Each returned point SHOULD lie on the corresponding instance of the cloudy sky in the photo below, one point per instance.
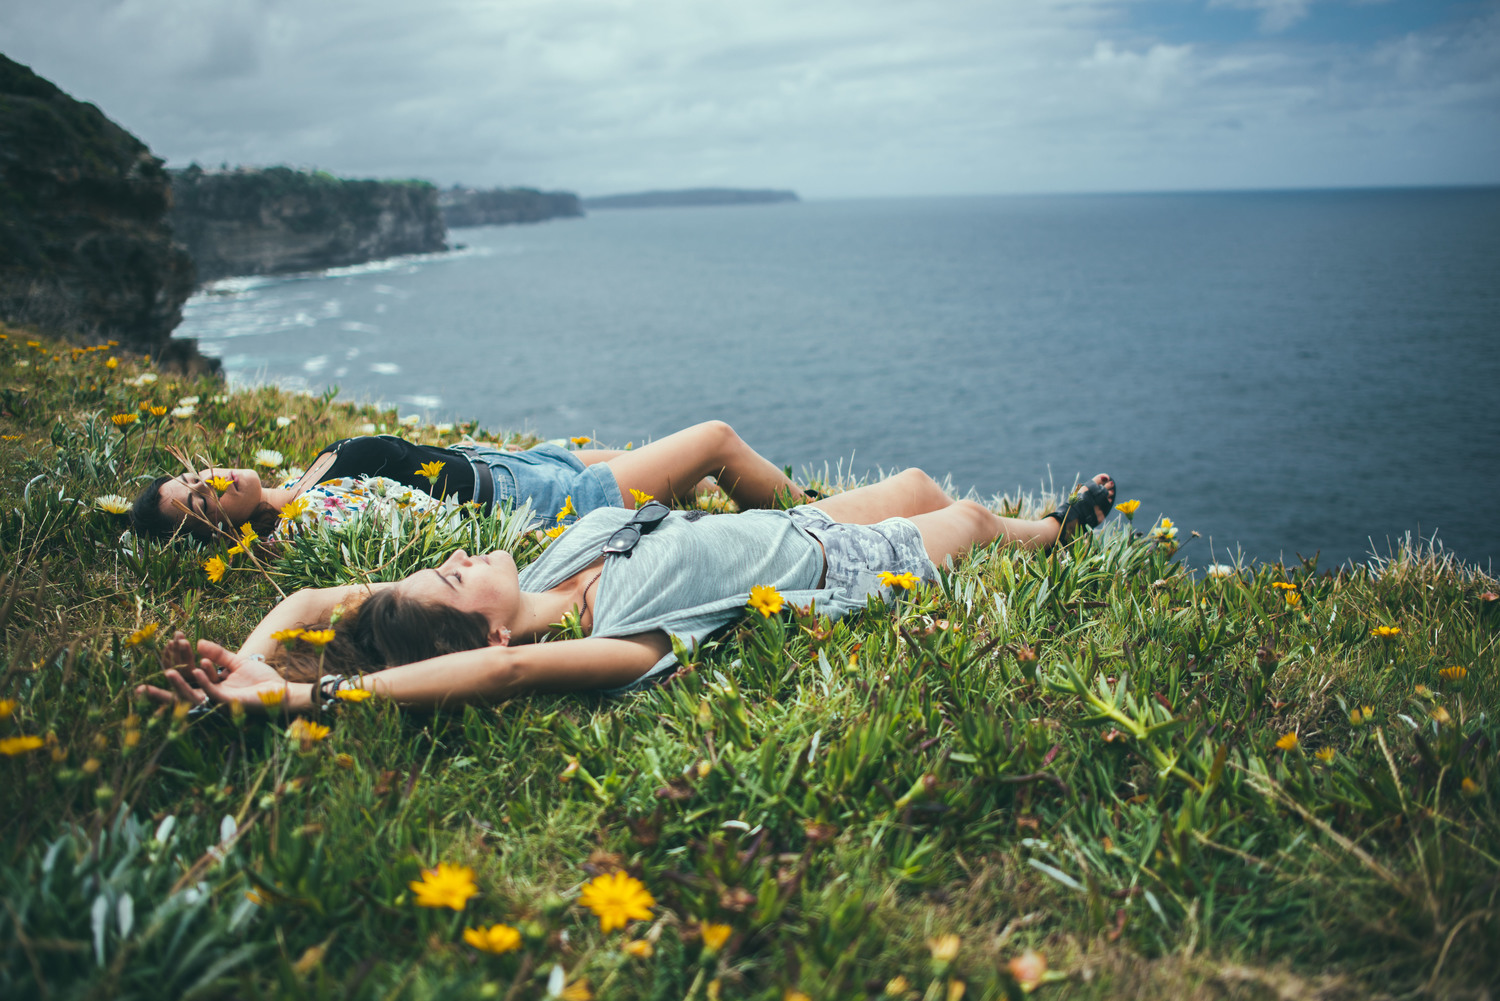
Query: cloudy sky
(829, 97)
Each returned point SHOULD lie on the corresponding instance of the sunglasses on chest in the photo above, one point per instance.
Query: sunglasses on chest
(646, 519)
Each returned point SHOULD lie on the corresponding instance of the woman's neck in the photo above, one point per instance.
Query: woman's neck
(539, 612)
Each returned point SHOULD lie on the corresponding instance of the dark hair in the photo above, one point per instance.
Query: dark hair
(147, 518)
(387, 629)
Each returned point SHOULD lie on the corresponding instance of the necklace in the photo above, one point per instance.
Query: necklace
(585, 610)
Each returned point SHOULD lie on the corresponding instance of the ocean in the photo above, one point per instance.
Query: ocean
(1283, 372)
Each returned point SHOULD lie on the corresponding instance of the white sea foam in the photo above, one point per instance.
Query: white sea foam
(386, 368)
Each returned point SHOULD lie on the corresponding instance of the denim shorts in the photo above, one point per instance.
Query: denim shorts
(547, 476)
(857, 554)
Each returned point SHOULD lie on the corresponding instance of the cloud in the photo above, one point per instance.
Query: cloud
(856, 97)
(1275, 15)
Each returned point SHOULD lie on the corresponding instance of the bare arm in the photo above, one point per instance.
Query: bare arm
(313, 604)
(491, 674)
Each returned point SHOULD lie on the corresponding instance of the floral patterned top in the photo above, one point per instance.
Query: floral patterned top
(340, 500)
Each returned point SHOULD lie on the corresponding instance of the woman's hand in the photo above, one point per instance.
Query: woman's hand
(223, 676)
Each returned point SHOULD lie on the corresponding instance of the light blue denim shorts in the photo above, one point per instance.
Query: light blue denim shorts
(857, 554)
(547, 476)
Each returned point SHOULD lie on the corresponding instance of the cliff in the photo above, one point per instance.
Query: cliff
(691, 198)
(85, 248)
(251, 221)
(505, 206)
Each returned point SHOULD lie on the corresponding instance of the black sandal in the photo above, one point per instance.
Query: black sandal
(1078, 509)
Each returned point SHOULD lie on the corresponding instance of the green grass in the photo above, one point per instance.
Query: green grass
(1075, 754)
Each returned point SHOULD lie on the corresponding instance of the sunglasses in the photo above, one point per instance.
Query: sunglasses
(646, 519)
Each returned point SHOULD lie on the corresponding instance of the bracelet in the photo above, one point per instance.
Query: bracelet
(328, 686)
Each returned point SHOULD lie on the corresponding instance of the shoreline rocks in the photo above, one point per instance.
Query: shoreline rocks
(273, 220)
(85, 246)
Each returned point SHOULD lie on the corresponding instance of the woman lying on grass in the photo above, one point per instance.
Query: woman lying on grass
(467, 631)
(554, 480)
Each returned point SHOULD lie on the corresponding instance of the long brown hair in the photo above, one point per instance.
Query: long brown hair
(147, 518)
(387, 629)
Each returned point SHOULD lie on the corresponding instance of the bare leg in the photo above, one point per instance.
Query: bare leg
(956, 529)
(909, 493)
(962, 525)
(672, 467)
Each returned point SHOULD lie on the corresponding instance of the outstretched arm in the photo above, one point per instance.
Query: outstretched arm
(491, 674)
(300, 608)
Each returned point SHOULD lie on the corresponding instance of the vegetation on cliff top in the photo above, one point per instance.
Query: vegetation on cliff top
(1085, 775)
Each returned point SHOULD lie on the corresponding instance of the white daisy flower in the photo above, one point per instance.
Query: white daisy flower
(1220, 570)
(282, 422)
(188, 401)
(268, 457)
(365, 429)
(113, 503)
(411, 420)
(186, 410)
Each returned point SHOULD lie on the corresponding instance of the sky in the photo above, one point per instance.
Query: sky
(830, 98)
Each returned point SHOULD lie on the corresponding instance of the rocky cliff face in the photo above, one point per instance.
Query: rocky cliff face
(503, 206)
(85, 248)
(250, 221)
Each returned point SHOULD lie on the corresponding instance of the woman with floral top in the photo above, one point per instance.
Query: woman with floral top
(558, 484)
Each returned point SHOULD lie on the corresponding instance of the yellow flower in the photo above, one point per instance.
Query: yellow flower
(1356, 718)
(219, 483)
(161, 409)
(641, 497)
(113, 503)
(792, 994)
(1028, 968)
(143, 634)
(1385, 632)
(1127, 507)
(318, 638)
(307, 732)
(7, 708)
(1283, 585)
(352, 694)
(578, 990)
(553, 533)
(715, 935)
(247, 535)
(582, 440)
(1166, 523)
(1469, 787)
(617, 899)
(1455, 673)
(567, 509)
(294, 509)
(430, 470)
(905, 581)
(1325, 755)
(766, 600)
(123, 421)
(215, 568)
(944, 948)
(1288, 742)
(287, 636)
(12, 746)
(496, 938)
(446, 886)
(112, 363)
(638, 948)
(271, 699)
(1292, 598)
(897, 986)
(1440, 714)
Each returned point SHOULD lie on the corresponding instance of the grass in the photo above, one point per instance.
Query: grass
(1155, 784)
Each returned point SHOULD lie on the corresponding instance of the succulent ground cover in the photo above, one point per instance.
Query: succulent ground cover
(1088, 774)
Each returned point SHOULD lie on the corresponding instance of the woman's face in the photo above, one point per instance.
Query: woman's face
(193, 496)
(486, 584)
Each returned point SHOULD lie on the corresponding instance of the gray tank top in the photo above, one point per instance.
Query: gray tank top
(687, 578)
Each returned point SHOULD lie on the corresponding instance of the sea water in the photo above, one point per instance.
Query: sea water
(1285, 373)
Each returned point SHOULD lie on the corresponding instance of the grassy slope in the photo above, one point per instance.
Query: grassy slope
(839, 797)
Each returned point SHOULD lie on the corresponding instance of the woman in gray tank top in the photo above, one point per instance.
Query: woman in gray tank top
(464, 631)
